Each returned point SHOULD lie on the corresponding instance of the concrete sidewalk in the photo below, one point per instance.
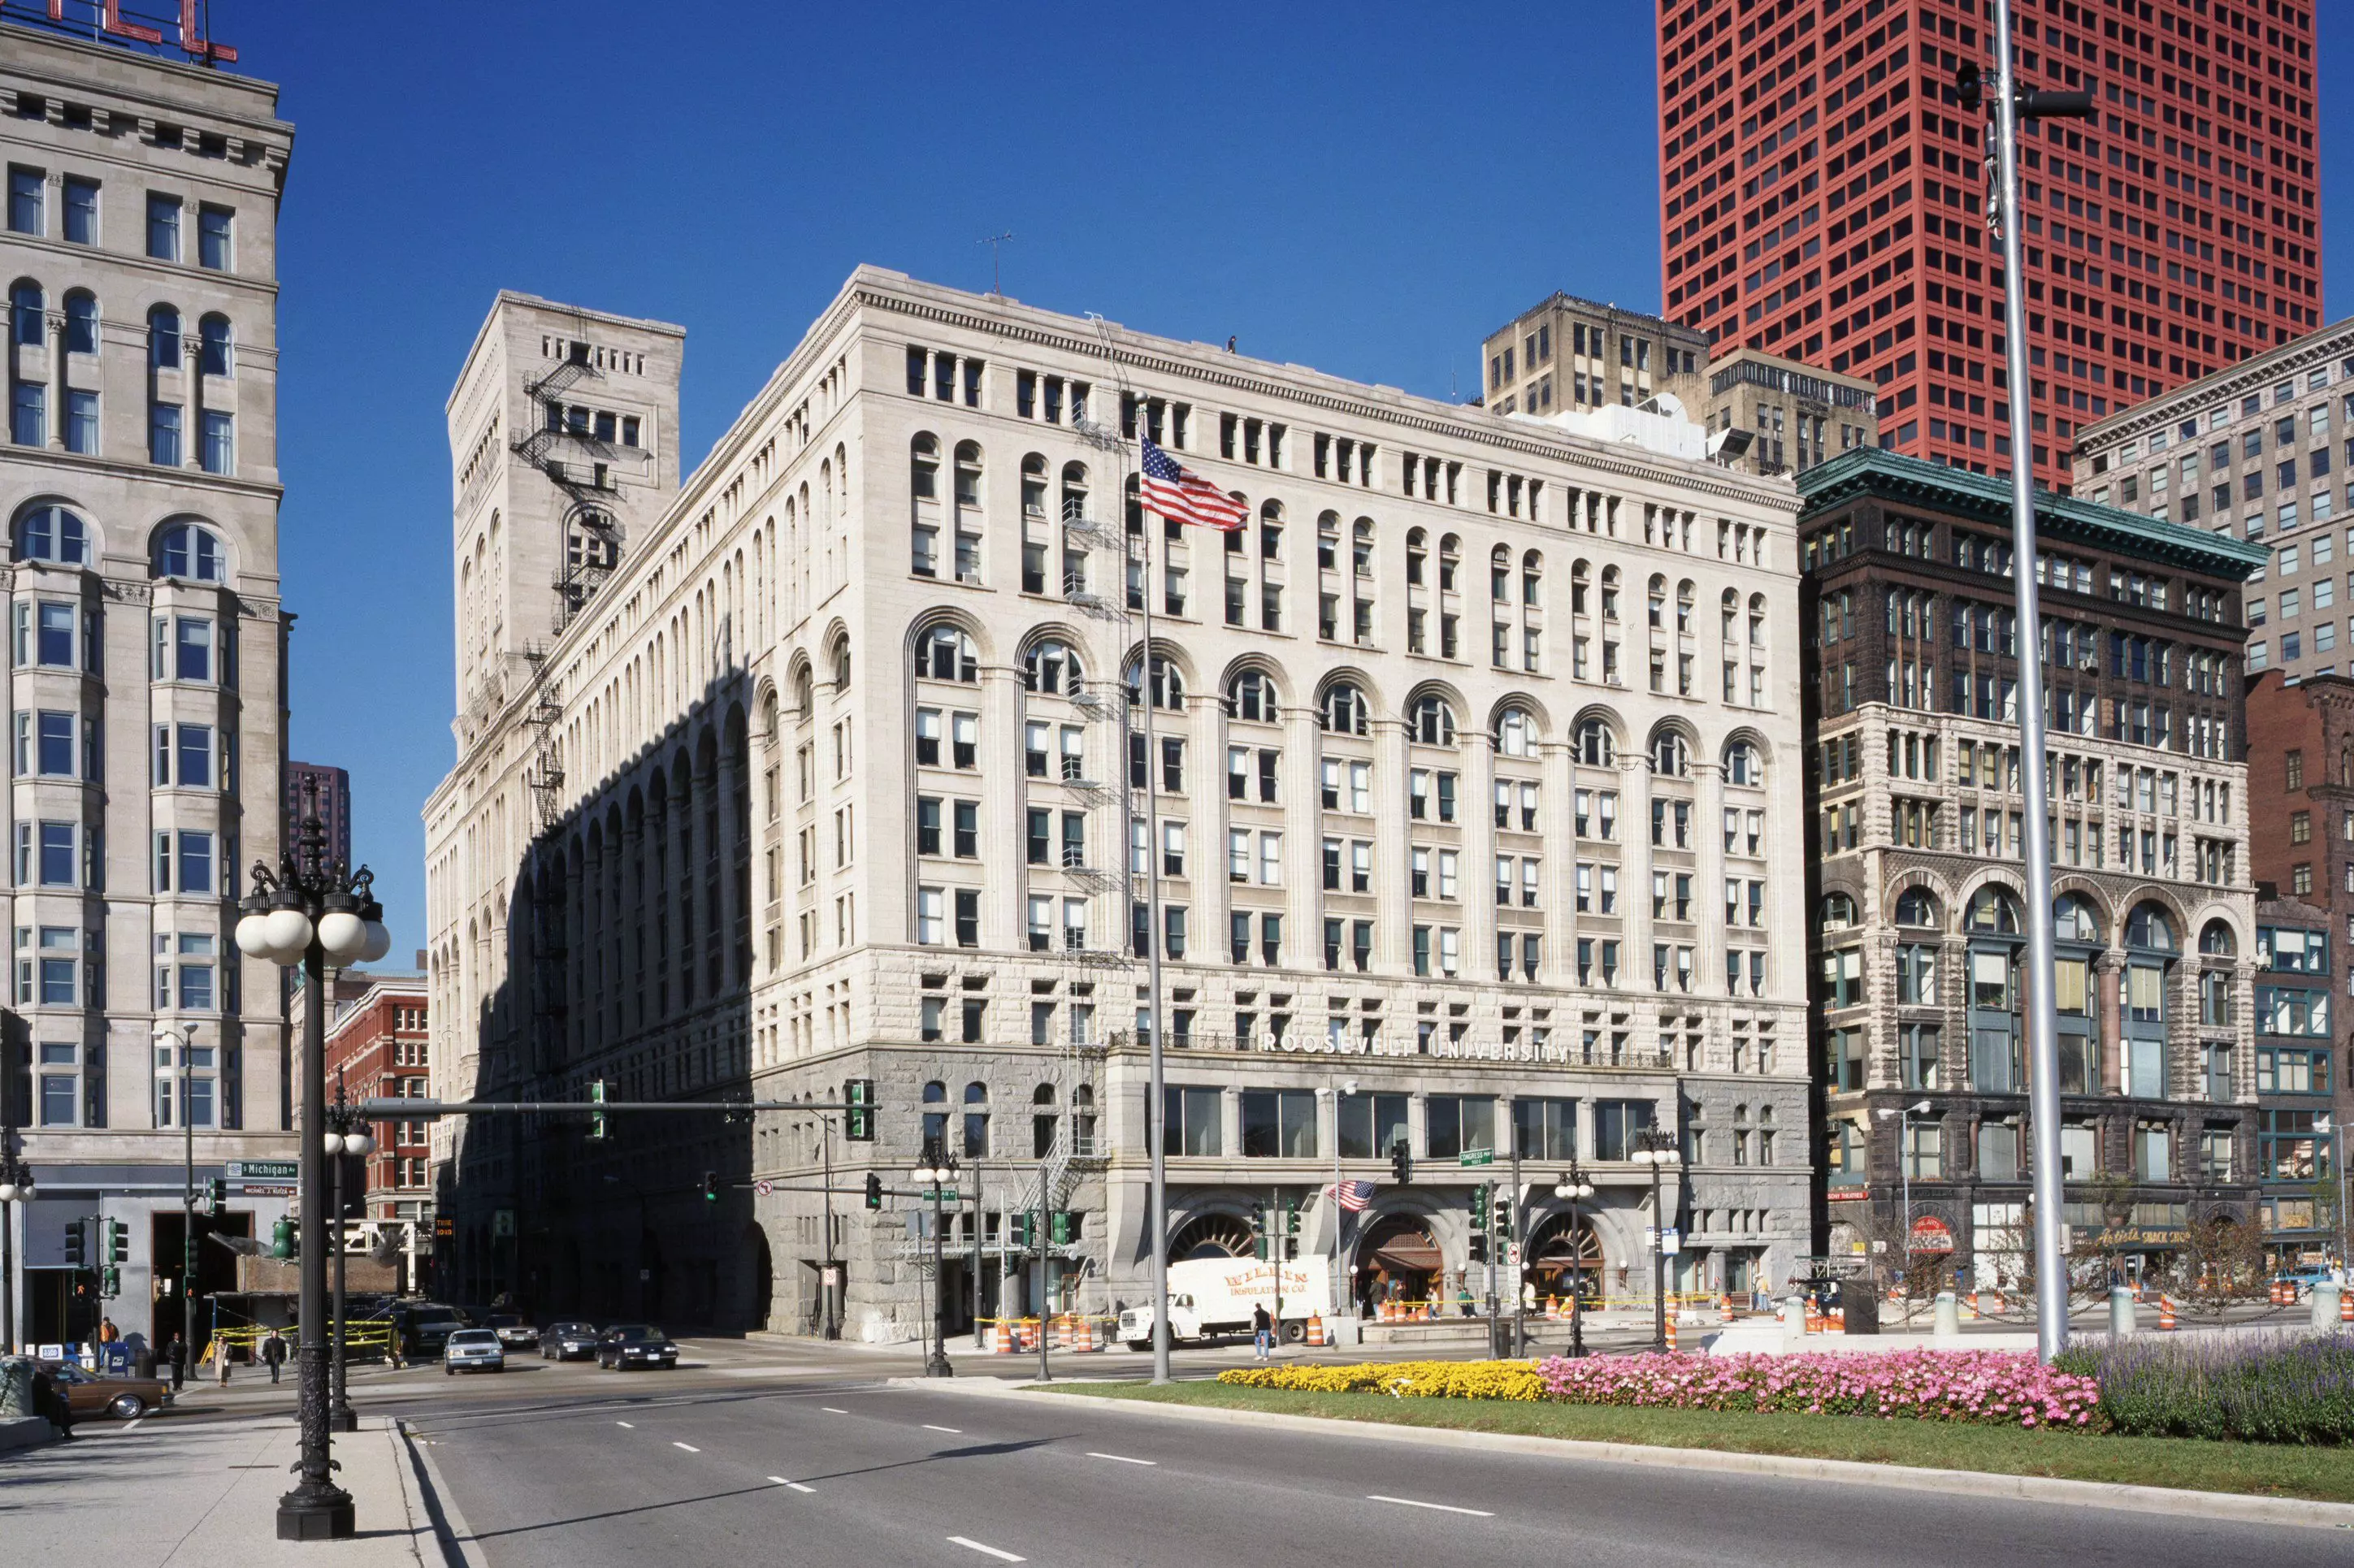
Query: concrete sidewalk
(147, 1494)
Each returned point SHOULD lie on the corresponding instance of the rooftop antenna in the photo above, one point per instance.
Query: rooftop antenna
(996, 243)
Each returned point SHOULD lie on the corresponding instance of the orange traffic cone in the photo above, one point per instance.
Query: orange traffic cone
(1671, 1334)
(1316, 1329)
(2346, 1305)
(2166, 1324)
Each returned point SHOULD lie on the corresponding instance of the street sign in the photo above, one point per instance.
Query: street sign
(1930, 1234)
(764, 1188)
(265, 1169)
(1512, 1256)
(942, 1194)
(1478, 1156)
(264, 1190)
(1669, 1242)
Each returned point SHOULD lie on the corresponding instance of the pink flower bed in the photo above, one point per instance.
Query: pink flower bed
(1998, 1388)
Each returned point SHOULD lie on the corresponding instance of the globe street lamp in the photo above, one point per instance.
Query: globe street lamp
(1574, 1188)
(1657, 1150)
(346, 1134)
(312, 911)
(937, 1174)
(16, 1187)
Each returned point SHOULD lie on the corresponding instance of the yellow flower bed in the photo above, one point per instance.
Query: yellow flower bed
(1402, 1380)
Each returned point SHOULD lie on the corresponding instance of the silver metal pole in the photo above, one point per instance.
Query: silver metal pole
(1156, 1114)
(2043, 1024)
(1338, 1212)
(1905, 1163)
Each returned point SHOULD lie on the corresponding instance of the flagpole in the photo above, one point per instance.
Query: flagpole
(1157, 1113)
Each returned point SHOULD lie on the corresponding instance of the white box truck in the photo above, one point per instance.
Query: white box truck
(1209, 1297)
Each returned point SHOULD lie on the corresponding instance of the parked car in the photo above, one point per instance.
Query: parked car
(627, 1345)
(423, 1326)
(513, 1333)
(564, 1342)
(2304, 1280)
(473, 1349)
(92, 1393)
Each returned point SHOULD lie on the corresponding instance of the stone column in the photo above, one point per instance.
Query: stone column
(1479, 872)
(1393, 864)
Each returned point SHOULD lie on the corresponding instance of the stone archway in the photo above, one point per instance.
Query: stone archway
(1211, 1236)
(758, 1279)
(1398, 1259)
(1565, 1248)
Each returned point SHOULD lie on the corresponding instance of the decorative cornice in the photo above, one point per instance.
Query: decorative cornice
(2328, 343)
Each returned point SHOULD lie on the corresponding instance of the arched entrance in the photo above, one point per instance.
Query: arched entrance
(1563, 1252)
(1398, 1260)
(1211, 1236)
(759, 1283)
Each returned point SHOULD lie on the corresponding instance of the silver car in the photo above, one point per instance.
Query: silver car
(473, 1350)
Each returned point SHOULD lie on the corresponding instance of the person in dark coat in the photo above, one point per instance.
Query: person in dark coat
(49, 1400)
(175, 1355)
(273, 1352)
(1262, 1332)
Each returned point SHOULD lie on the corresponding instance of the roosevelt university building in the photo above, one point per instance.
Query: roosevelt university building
(1475, 756)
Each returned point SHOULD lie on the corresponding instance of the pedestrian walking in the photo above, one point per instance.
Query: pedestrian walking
(273, 1352)
(220, 1360)
(49, 1400)
(107, 1332)
(175, 1355)
(1262, 1332)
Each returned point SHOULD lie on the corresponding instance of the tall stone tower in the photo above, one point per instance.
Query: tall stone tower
(563, 450)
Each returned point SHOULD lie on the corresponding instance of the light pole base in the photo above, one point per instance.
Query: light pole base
(939, 1367)
(343, 1418)
(315, 1514)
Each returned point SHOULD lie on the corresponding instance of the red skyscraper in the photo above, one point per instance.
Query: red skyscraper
(1823, 197)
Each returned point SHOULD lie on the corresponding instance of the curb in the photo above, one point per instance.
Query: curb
(442, 1521)
(2237, 1506)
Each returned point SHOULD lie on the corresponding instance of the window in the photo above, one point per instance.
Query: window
(1278, 1123)
(1190, 1120)
(1372, 1125)
(1343, 710)
(214, 232)
(81, 210)
(26, 202)
(220, 452)
(1454, 1123)
(81, 421)
(164, 434)
(163, 227)
(947, 653)
(1618, 1127)
(53, 533)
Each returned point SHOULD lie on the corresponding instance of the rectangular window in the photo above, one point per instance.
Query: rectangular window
(164, 434)
(215, 229)
(163, 227)
(81, 421)
(1190, 1120)
(28, 416)
(26, 203)
(219, 454)
(81, 210)
(1454, 1123)
(1278, 1123)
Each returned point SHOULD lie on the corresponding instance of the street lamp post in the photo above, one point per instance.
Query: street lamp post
(1338, 1091)
(937, 1174)
(16, 1187)
(346, 1134)
(312, 911)
(1904, 1165)
(1657, 1148)
(1574, 1188)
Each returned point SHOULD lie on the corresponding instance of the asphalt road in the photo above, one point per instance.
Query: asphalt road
(803, 1457)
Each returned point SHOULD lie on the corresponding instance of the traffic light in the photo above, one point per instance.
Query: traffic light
(1060, 1227)
(77, 1243)
(1290, 1227)
(1025, 1231)
(281, 1238)
(874, 1191)
(597, 1119)
(1479, 1196)
(858, 1122)
(1969, 87)
(217, 1196)
(1259, 1235)
(110, 1282)
(711, 1186)
(1401, 1164)
(118, 1241)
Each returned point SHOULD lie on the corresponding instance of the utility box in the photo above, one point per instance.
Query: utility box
(1862, 1311)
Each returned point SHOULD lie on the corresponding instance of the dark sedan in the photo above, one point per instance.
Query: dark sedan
(564, 1342)
(627, 1345)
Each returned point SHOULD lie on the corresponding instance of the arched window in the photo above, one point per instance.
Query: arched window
(1610, 584)
(1417, 555)
(1043, 1121)
(1656, 597)
(842, 668)
(1342, 711)
(1838, 912)
(82, 321)
(1531, 578)
(976, 1121)
(967, 473)
(1993, 909)
(1684, 605)
(25, 314)
(191, 551)
(1075, 493)
(924, 489)
(2072, 919)
(213, 344)
(2216, 941)
(1670, 753)
(1499, 574)
(1757, 620)
(1328, 542)
(1051, 666)
(1361, 547)
(1729, 623)
(1516, 733)
(923, 468)
(935, 1119)
(1743, 763)
(1581, 576)
(2148, 928)
(1251, 695)
(1916, 906)
(163, 338)
(1595, 748)
(1167, 684)
(53, 533)
(1434, 720)
(947, 653)
(1450, 550)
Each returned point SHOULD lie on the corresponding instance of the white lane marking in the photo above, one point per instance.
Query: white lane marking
(795, 1485)
(832, 1410)
(992, 1551)
(132, 1425)
(929, 1427)
(1442, 1507)
(688, 1446)
(1121, 1458)
(630, 1425)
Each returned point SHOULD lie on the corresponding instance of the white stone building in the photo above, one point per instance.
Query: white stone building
(1478, 763)
(140, 486)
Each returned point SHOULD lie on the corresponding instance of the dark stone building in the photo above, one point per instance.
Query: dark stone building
(1919, 936)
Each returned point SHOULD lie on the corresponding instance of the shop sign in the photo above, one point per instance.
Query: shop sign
(1931, 1234)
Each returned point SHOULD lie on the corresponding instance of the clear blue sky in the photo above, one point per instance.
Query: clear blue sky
(1368, 189)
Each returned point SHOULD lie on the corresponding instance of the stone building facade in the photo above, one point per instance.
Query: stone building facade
(1918, 929)
(1476, 754)
(2298, 1069)
(379, 1045)
(1796, 416)
(1565, 355)
(140, 486)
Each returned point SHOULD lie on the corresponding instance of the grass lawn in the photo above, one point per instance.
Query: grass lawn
(2324, 1475)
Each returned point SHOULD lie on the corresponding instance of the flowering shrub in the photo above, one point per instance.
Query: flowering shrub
(1406, 1380)
(1998, 1388)
(2248, 1387)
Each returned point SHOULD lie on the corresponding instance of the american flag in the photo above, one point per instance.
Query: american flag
(1352, 1195)
(1174, 493)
